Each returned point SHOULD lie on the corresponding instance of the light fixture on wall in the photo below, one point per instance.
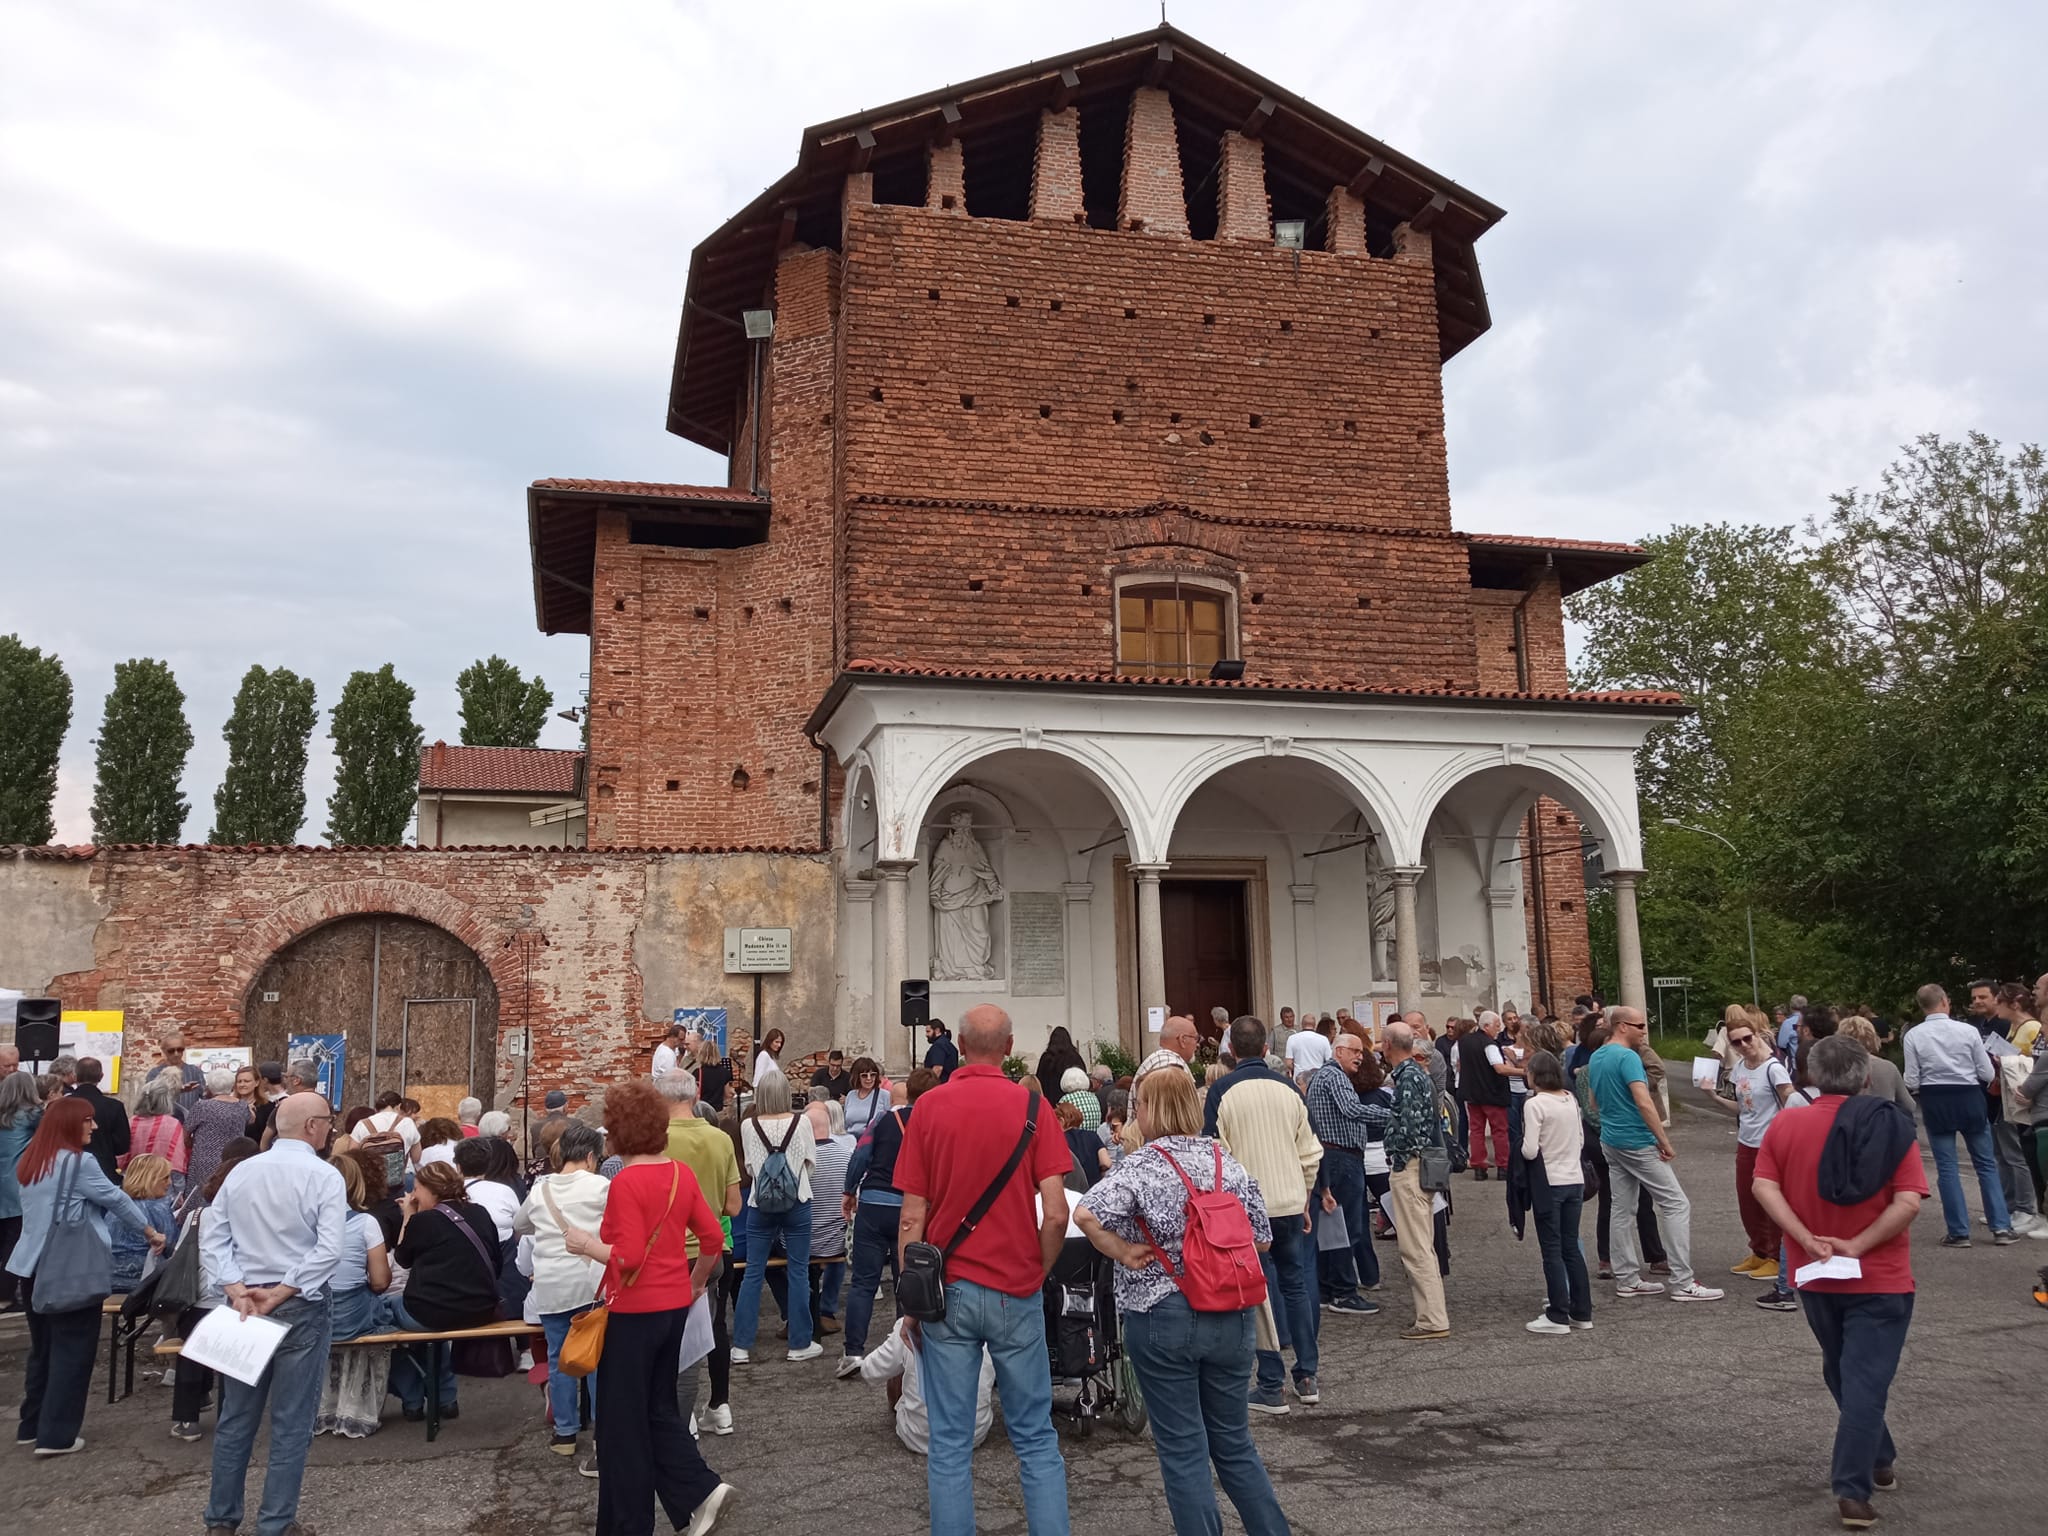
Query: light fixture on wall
(1290, 234)
(760, 323)
(1230, 670)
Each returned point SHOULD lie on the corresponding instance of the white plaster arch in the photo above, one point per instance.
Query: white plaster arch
(1099, 765)
(1597, 804)
(860, 825)
(1356, 779)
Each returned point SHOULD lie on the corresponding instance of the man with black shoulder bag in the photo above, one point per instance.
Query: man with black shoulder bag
(1419, 1169)
(983, 1174)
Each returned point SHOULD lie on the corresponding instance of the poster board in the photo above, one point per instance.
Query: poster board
(705, 1021)
(1384, 1011)
(95, 1032)
(221, 1058)
(331, 1052)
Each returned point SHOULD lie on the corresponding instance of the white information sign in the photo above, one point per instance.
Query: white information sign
(748, 950)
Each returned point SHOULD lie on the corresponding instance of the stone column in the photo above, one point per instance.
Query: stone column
(1151, 946)
(1628, 938)
(1081, 1020)
(894, 1042)
(1507, 933)
(853, 1026)
(1407, 936)
(1307, 971)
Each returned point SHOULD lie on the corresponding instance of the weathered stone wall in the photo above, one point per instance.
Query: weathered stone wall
(593, 949)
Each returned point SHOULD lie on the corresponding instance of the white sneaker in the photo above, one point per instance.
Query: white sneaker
(2038, 1229)
(849, 1365)
(714, 1505)
(1696, 1292)
(61, 1450)
(738, 1356)
(1541, 1323)
(1640, 1288)
(810, 1351)
(719, 1420)
(1582, 1327)
(526, 1360)
(693, 1426)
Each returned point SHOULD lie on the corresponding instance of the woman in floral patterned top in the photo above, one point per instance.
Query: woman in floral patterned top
(1195, 1367)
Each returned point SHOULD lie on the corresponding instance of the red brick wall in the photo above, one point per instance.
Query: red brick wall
(1493, 635)
(705, 664)
(1564, 900)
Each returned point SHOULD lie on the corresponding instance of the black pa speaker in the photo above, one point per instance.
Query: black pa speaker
(35, 1028)
(917, 1004)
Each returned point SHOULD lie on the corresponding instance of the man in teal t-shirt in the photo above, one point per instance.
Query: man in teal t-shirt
(1639, 1158)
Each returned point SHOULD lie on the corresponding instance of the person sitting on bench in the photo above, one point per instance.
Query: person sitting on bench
(448, 1248)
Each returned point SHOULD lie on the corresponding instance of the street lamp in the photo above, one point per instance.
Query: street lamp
(1756, 995)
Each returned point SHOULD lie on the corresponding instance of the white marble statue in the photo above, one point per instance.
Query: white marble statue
(963, 889)
(1379, 898)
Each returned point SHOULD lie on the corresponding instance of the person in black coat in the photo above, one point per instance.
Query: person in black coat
(109, 1140)
(1058, 1055)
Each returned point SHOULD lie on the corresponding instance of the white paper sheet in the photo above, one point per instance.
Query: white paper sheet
(1840, 1267)
(1706, 1072)
(1332, 1236)
(235, 1345)
(1437, 1204)
(1155, 1020)
(696, 1334)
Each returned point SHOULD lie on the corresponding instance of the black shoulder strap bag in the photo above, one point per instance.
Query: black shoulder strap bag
(921, 1284)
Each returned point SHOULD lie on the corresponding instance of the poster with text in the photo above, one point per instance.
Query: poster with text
(221, 1058)
(331, 1052)
(705, 1021)
(94, 1032)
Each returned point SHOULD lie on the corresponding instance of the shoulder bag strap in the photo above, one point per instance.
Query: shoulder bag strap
(674, 1172)
(988, 1196)
(461, 1225)
(547, 1196)
(787, 1136)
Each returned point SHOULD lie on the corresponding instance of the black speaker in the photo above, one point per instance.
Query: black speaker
(35, 1028)
(917, 1004)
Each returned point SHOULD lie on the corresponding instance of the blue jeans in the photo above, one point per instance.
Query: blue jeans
(408, 1381)
(562, 1395)
(1013, 1329)
(1194, 1368)
(1564, 1262)
(872, 1244)
(827, 1282)
(1860, 1339)
(1344, 1174)
(1290, 1266)
(290, 1387)
(1955, 1210)
(794, 1227)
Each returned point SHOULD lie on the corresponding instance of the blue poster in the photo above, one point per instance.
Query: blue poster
(706, 1021)
(331, 1051)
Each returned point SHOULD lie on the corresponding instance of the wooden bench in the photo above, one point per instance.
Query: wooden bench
(430, 1344)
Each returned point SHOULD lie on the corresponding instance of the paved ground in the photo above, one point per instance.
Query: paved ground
(1665, 1418)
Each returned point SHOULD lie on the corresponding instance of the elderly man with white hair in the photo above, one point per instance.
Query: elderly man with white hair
(494, 1122)
(1415, 1127)
(468, 1111)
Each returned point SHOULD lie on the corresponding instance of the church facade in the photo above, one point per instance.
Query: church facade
(1085, 579)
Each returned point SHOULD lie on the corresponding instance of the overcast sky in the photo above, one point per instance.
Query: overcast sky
(296, 298)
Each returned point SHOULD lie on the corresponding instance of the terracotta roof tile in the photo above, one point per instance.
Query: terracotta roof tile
(1253, 685)
(81, 851)
(1579, 546)
(650, 488)
(506, 770)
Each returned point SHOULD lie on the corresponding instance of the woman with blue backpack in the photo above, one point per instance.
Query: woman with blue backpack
(1185, 1224)
(780, 1152)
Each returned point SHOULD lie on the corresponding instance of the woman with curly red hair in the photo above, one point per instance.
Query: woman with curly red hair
(644, 1449)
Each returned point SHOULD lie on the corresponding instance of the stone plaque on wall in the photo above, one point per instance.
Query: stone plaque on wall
(1038, 944)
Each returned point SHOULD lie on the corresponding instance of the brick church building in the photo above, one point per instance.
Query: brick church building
(1081, 626)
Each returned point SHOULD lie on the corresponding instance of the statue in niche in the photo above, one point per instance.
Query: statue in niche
(1379, 907)
(963, 887)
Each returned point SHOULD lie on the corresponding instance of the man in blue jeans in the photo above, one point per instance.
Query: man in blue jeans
(273, 1249)
(1947, 1068)
(1853, 1199)
(954, 1150)
(874, 1207)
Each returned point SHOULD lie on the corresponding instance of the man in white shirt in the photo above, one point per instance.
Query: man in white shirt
(391, 1117)
(1947, 1067)
(1309, 1047)
(895, 1362)
(272, 1249)
(665, 1058)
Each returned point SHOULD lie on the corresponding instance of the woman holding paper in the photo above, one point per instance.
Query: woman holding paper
(60, 1183)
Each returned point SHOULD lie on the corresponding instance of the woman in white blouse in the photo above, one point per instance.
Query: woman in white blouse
(769, 1129)
(1553, 1138)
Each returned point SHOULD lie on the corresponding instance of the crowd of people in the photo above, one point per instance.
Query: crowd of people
(1236, 1201)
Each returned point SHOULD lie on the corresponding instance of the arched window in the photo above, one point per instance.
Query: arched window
(1172, 628)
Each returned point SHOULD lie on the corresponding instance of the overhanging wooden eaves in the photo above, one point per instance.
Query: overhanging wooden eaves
(561, 526)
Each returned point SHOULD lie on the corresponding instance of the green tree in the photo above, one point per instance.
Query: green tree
(35, 712)
(140, 757)
(500, 708)
(377, 761)
(262, 797)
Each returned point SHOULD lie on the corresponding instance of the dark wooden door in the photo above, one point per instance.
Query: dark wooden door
(1202, 924)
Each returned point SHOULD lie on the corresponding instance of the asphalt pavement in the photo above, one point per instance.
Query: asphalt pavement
(1665, 1418)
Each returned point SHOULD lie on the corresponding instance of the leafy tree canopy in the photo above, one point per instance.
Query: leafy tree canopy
(501, 708)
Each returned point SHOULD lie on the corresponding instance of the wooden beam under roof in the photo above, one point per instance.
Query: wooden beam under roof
(1069, 81)
(1255, 120)
(1429, 212)
(1364, 181)
(1161, 62)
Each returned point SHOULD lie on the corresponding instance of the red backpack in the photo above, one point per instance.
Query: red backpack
(1220, 1269)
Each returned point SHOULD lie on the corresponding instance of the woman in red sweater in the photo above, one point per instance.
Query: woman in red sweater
(644, 1449)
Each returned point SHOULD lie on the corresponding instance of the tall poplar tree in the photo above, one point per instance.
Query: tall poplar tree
(35, 712)
(140, 757)
(377, 761)
(262, 797)
(501, 708)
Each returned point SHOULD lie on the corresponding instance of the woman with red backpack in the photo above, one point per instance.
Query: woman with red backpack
(1185, 1224)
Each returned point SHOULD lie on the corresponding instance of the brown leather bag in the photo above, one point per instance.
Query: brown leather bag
(584, 1345)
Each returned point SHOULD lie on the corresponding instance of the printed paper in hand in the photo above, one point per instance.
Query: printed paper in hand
(1706, 1072)
(696, 1334)
(1332, 1236)
(1840, 1267)
(235, 1345)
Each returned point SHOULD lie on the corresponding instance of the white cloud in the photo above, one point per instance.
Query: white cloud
(294, 300)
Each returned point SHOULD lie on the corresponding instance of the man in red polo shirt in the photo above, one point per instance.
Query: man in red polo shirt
(1842, 1178)
(953, 1149)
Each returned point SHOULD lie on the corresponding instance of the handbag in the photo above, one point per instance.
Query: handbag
(76, 1268)
(179, 1282)
(1433, 1164)
(921, 1283)
(583, 1346)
